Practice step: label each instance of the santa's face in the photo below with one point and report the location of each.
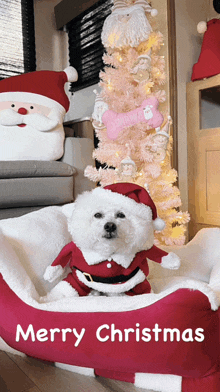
(30, 131)
(30, 108)
(22, 114)
(148, 114)
(126, 27)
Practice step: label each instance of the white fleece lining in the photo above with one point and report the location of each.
(113, 288)
(76, 369)
(158, 382)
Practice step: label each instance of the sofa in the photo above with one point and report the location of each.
(26, 186)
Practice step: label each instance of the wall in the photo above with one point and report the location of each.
(51, 44)
(188, 14)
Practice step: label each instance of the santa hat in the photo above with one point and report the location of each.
(209, 60)
(122, 6)
(39, 87)
(133, 197)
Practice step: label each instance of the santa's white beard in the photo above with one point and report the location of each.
(27, 142)
(10, 117)
(121, 30)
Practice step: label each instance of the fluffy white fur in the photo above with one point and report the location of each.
(171, 261)
(134, 232)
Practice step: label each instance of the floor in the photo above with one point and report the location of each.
(24, 374)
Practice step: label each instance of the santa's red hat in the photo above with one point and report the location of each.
(209, 60)
(133, 196)
(39, 87)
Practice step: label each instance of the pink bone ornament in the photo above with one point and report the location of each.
(147, 113)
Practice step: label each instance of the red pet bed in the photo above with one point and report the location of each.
(167, 341)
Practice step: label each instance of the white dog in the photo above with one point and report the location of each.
(112, 231)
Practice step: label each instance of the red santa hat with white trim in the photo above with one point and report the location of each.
(40, 87)
(209, 60)
(134, 197)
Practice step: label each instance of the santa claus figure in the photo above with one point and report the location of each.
(127, 25)
(32, 109)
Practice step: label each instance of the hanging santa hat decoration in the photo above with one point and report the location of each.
(127, 25)
(133, 197)
(209, 60)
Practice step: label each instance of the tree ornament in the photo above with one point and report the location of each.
(127, 25)
(141, 68)
(147, 113)
(154, 148)
(99, 109)
(127, 170)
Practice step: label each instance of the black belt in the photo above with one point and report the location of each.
(111, 279)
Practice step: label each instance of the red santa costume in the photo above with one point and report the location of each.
(108, 271)
(119, 273)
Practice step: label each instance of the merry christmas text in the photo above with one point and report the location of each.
(106, 333)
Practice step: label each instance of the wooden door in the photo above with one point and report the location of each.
(203, 127)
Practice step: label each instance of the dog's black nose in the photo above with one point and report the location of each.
(110, 227)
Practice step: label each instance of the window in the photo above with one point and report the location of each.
(17, 39)
(85, 46)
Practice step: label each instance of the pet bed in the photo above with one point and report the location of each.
(167, 341)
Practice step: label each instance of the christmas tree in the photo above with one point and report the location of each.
(135, 144)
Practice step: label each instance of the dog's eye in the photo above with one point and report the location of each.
(98, 215)
(120, 215)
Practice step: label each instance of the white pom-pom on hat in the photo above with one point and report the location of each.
(154, 12)
(158, 224)
(71, 73)
(201, 27)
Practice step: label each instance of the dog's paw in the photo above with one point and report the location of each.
(61, 290)
(171, 261)
(52, 273)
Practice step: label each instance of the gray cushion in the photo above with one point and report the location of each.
(22, 169)
(22, 192)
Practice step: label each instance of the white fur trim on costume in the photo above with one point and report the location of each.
(53, 272)
(159, 224)
(76, 369)
(171, 261)
(93, 258)
(158, 382)
(71, 73)
(20, 96)
(113, 288)
(139, 209)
